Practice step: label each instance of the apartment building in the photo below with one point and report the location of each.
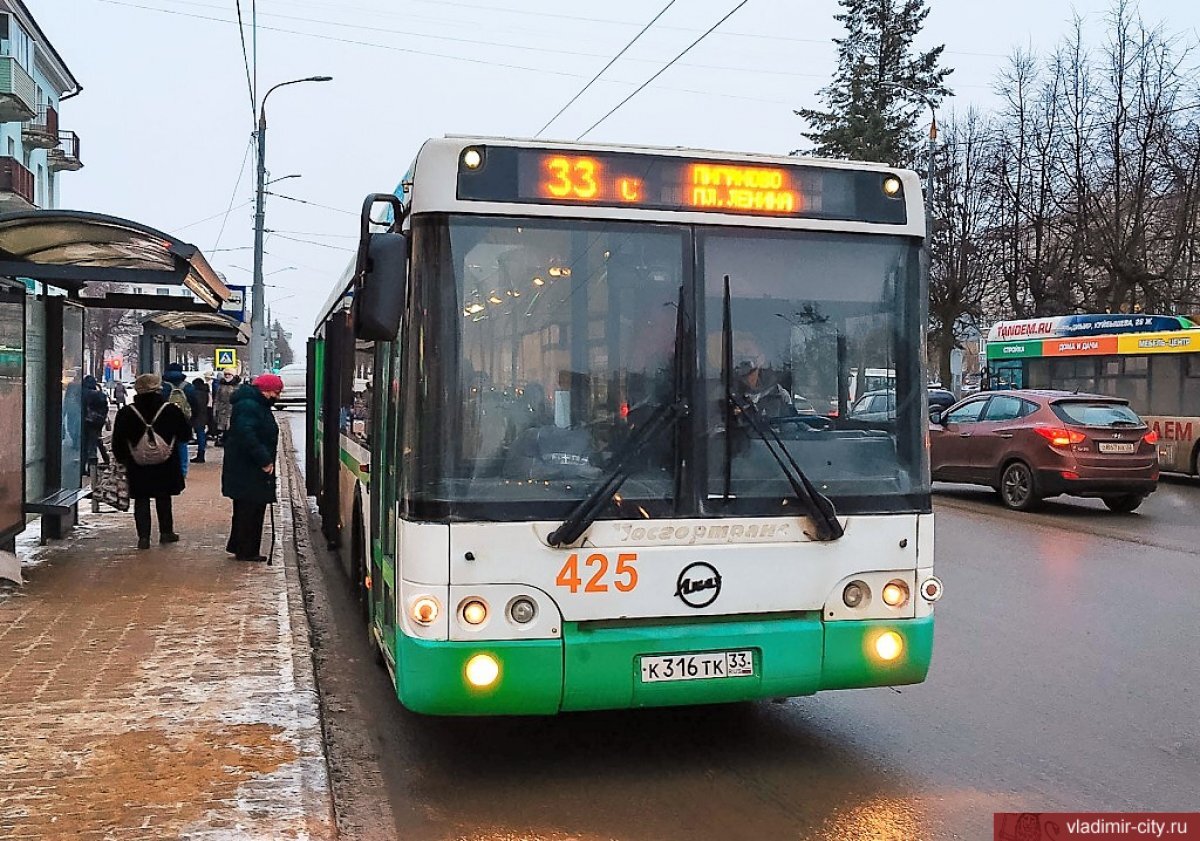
(35, 148)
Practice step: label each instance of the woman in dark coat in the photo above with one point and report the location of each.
(159, 482)
(200, 419)
(95, 417)
(248, 469)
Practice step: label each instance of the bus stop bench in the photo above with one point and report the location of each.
(59, 502)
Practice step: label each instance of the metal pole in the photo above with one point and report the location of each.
(257, 333)
(929, 173)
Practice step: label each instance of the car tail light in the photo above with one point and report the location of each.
(1150, 437)
(1059, 436)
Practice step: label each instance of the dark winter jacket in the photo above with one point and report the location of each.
(200, 407)
(154, 480)
(95, 406)
(250, 445)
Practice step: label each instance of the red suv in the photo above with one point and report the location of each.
(1028, 445)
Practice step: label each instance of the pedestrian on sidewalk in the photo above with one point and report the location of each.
(119, 394)
(223, 391)
(95, 419)
(200, 418)
(161, 481)
(248, 469)
(179, 391)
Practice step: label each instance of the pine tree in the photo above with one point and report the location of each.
(874, 103)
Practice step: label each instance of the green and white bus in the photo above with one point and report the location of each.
(555, 435)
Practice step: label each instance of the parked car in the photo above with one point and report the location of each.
(874, 406)
(941, 398)
(1028, 445)
(295, 385)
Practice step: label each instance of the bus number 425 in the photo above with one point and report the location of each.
(624, 577)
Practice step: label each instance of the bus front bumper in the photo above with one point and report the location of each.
(600, 667)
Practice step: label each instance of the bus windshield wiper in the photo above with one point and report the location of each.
(663, 417)
(586, 512)
(826, 526)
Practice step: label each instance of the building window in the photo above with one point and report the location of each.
(15, 42)
(164, 290)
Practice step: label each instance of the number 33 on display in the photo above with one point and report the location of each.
(624, 577)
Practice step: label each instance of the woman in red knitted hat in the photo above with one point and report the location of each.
(248, 468)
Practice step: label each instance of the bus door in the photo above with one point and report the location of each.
(384, 486)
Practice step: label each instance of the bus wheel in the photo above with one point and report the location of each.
(1123, 503)
(1018, 489)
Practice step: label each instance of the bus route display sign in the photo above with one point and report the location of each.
(669, 182)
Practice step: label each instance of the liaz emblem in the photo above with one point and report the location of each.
(698, 585)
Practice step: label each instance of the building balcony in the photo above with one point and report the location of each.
(18, 93)
(16, 186)
(42, 131)
(66, 154)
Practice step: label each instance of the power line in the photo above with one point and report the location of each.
(611, 62)
(214, 216)
(237, 184)
(313, 203)
(309, 242)
(245, 60)
(663, 69)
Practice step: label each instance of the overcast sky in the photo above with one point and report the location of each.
(165, 117)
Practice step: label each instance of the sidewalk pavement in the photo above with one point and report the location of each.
(166, 693)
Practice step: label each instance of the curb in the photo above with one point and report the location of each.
(318, 790)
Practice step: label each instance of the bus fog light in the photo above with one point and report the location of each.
(895, 593)
(474, 612)
(522, 610)
(931, 589)
(889, 645)
(424, 610)
(857, 593)
(482, 670)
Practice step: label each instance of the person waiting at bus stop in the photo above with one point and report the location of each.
(160, 481)
(248, 469)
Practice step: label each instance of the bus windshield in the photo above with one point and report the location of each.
(536, 349)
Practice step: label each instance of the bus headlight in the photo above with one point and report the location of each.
(857, 593)
(474, 611)
(522, 610)
(424, 610)
(889, 645)
(482, 670)
(895, 593)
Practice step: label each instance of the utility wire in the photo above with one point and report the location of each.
(232, 198)
(611, 62)
(245, 60)
(214, 216)
(313, 203)
(663, 69)
(278, 235)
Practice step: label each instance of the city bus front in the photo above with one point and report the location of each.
(613, 487)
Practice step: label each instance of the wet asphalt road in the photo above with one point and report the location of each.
(1066, 676)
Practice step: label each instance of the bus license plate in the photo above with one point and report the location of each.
(1116, 446)
(711, 664)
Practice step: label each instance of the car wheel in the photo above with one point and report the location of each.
(1017, 487)
(1123, 503)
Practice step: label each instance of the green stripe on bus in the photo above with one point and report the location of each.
(355, 467)
(591, 669)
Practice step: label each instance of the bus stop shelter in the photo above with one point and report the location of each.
(47, 258)
(162, 330)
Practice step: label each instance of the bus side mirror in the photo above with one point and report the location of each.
(379, 291)
(380, 274)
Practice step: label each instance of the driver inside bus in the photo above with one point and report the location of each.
(758, 383)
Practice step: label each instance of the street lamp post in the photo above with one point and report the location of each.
(258, 333)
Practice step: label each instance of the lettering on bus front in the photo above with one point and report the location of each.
(1169, 430)
(687, 535)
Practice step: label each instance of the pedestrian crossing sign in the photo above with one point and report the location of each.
(226, 357)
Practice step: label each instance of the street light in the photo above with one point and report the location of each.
(258, 332)
(933, 132)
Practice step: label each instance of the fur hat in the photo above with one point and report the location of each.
(146, 383)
